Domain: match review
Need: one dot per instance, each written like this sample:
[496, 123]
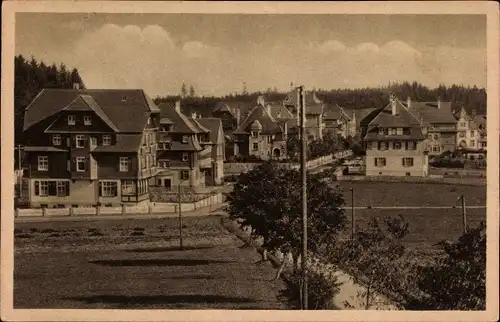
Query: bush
[321, 290]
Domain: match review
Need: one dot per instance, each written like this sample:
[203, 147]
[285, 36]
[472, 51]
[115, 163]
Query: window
[108, 189]
[407, 162]
[472, 143]
[399, 131]
[44, 188]
[435, 148]
[106, 139]
[483, 144]
[62, 188]
[380, 162]
[184, 174]
[185, 156]
[269, 139]
[80, 164]
[410, 145]
[128, 187]
[93, 141]
[381, 131]
[124, 164]
[255, 146]
[56, 140]
[43, 163]
[461, 134]
[392, 131]
[436, 137]
[71, 120]
[184, 139]
[383, 145]
[397, 145]
[80, 141]
[472, 133]
[255, 134]
[463, 124]
[87, 120]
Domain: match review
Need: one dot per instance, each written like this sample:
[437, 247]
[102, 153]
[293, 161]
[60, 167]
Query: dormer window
[399, 131]
[185, 157]
[184, 139]
[87, 120]
[255, 134]
[71, 120]
[106, 139]
[56, 140]
[124, 98]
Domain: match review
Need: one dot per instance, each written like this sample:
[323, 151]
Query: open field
[136, 264]
[410, 194]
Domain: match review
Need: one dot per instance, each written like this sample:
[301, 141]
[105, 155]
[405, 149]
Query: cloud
[114, 56]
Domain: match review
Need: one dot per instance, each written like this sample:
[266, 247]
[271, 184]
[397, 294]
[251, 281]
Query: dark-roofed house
[216, 138]
[231, 114]
[314, 112]
[179, 147]
[89, 147]
[338, 122]
[438, 118]
[395, 142]
[260, 134]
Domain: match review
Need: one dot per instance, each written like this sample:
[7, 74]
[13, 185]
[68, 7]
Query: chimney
[76, 86]
[408, 102]
[393, 104]
[238, 117]
[178, 106]
[439, 103]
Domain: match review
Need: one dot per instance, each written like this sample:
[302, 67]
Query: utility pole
[302, 104]
[464, 216]
[19, 171]
[180, 217]
[352, 215]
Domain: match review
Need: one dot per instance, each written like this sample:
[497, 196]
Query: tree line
[30, 77]
[471, 98]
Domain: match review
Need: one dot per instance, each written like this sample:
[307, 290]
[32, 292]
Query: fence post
[44, 211]
[123, 210]
[150, 208]
[70, 211]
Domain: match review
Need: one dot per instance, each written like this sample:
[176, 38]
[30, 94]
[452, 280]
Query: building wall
[468, 133]
[394, 166]
[265, 148]
[82, 192]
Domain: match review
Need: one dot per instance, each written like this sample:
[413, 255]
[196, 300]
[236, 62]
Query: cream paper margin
[9, 8]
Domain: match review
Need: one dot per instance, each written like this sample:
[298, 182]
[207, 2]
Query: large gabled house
[217, 142]
[440, 124]
[314, 112]
[395, 142]
[471, 131]
[90, 147]
[338, 122]
[260, 134]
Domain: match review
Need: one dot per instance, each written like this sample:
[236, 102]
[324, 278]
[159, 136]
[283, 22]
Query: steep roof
[258, 112]
[124, 143]
[279, 111]
[198, 125]
[314, 106]
[430, 113]
[215, 127]
[335, 112]
[127, 110]
[181, 124]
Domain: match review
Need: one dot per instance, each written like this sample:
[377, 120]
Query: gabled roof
[279, 111]
[222, 107]
[215, 127]
[258, 112]
[198, 125]
[430, 113]
[335, 112]
[314, 106]
[181, 124]
[128, 110]
[124, 143]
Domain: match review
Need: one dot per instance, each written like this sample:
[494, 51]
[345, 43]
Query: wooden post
[180, 218]
[464, 215]
[352, 215]
[303, 168]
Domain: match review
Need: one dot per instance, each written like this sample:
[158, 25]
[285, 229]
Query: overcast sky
[217, 53]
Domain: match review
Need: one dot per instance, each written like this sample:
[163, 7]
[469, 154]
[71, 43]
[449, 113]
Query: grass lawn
[426, 226]
[135, 264]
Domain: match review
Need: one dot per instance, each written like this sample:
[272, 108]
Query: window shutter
[37, 188]
[68, 141]
[86, 142]
[403, 162]
[52, 188]
[100, 189]
[67, 188]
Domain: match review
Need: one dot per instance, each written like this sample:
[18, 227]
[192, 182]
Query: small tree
[268, 199]
[322, 287]
[192, 93]
[458, 280]
[372, 255]
[183, 90]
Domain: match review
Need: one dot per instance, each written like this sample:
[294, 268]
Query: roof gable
[181, 124]
[259, 113]
[403, 117]
[214, 125]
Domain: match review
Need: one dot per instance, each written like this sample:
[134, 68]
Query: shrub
[322, 287]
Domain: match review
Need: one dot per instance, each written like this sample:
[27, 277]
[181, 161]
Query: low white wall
[153, 208]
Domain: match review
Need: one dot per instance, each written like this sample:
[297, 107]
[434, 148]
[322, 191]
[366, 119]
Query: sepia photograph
[250, 156]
